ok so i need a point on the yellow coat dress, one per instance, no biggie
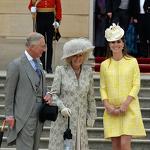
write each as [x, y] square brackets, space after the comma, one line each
[118, 79]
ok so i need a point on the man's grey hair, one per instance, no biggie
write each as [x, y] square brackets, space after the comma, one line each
[33, 38]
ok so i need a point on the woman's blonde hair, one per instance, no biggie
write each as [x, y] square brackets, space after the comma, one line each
[69, 59]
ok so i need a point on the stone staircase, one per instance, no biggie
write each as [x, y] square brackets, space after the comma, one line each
[95, 134]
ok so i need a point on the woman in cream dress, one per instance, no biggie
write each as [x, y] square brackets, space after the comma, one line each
[72, 91]
[119, 87]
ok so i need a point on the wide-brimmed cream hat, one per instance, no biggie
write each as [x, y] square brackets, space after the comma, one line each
[114, 33]
[76, 46]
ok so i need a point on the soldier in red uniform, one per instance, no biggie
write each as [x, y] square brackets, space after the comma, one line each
[47, 15]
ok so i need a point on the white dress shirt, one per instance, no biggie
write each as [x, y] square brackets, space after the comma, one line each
[141, 7]
[30, 60]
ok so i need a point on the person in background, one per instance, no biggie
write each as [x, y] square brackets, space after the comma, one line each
[24, 82]
[119, 87]
[119, 11]
[48, 14]
[141, 15]
[72, 91]
[101, 22]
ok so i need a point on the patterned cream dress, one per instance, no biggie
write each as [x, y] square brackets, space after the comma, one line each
[118, 79]
[78, 95]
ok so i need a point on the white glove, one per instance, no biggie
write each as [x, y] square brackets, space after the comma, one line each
[33, 9]
[66, 112]
[90, 122]
[56, 24]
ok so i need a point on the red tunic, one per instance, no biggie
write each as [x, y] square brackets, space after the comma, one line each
[49, 4]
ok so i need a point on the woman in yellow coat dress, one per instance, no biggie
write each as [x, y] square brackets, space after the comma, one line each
[119, 87]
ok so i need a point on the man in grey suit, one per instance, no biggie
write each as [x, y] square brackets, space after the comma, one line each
[24, 88]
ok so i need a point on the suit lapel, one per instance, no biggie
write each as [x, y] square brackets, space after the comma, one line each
[29, 71]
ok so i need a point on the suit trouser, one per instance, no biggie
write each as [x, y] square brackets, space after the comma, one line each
[122, 17]
[29, 137]
[44, 25]
[144, 33]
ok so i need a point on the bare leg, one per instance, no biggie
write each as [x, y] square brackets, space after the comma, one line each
[125, 142]
[116, 143]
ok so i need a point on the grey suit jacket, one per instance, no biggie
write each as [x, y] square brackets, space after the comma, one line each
[21, 93]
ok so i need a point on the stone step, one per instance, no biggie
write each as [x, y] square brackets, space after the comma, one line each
[2, 88]
[92, 132]
[96, 144]
[2, 77]
[100, 110]
[99, 133]
[145, 112]
[102, 144]
[2, 99]
[98, 122]
[96, 140]
[144, 102]
[49, 78]
[95, 136]
[15, 149]
[145, 79]
[144, 92]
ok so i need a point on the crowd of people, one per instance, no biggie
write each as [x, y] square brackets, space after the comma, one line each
[135, 13]
[73, 92]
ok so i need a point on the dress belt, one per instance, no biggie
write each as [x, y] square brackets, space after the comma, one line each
[45, 9]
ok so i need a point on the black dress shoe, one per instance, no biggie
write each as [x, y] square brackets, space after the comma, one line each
[49, 71]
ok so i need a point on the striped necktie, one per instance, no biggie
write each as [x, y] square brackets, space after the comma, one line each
[37, 68]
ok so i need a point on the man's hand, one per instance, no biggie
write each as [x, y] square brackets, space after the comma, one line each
[48, 98]
[66, 112]
[11, 121]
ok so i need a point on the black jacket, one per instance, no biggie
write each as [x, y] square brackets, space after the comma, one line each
[136, 7]
[147, 6]
[113, 5]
